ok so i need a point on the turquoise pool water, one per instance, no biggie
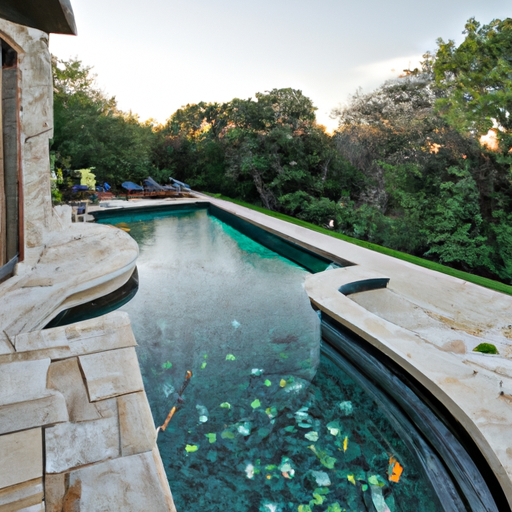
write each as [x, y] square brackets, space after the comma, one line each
[267, 423]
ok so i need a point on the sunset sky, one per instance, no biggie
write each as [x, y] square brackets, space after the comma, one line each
[158, 55]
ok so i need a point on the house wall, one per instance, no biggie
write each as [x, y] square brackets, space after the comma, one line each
[34, 93]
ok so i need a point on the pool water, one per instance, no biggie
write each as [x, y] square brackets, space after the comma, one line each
[267, 422]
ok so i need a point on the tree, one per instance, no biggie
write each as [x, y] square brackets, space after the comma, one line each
[90, 131]
[476, 78]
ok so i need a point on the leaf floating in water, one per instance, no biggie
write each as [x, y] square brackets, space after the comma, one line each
[378, 499]
[230, 357]
[335, 507]
[364, 487]
[244, 428]
[346, 408]
[305, 508]
[249, 471]
[236, 324]
[345, 444]
[318, 499]
[322, 478]
[282, 383]
[225, 405]
[211, 437]
[286, 468]
[190, 448]
[312, 436]
[302, 414]
[203, 411]
[167, 365]
[376, 480]
[351, 479]
[267, 383]
[256, 371]
[395, 470]
[203, 419]
[334, 428]
[271, 412]
[227, 435]
[203, 366]
[255, 404]
[325, 459]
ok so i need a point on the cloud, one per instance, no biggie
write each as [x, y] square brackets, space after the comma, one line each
[387, 69]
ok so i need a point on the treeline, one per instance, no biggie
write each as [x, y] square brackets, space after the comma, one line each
[407, 167]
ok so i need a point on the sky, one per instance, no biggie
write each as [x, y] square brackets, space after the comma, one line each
[155, 56]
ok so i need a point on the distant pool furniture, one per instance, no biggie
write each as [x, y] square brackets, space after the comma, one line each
[154, 189]
[180, 185]
[132, 187]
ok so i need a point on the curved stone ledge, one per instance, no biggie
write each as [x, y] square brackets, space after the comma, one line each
[77, 265]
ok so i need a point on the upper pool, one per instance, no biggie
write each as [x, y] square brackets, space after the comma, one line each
[270, 421]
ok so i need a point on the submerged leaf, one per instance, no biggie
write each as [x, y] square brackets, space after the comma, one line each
[230, 357]
[227, 435]
[257, 371]
[267, 383]
[311, 436]
[211, 437]
[334, 427]
[203, 366]
[395, 470]
[322, 479]
[167, 365]
[255, 404]
[346, 408]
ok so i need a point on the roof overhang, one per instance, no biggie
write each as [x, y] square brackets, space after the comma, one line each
[51, 16]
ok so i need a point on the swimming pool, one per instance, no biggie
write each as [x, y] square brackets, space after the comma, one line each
[270, 421]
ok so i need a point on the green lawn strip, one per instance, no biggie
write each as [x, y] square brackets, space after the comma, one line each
[466, 276]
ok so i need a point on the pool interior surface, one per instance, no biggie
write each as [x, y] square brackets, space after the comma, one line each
[267, 422]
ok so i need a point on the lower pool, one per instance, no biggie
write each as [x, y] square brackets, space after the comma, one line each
[268, 421]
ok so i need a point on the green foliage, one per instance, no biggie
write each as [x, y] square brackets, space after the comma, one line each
[486, 348]
[476, 77]
[89, 130]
